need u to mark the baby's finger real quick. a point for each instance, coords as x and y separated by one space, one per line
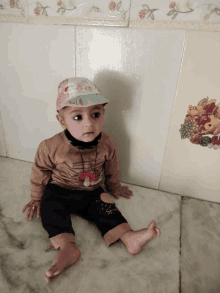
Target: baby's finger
25 207
31 213
126 195
128 192
38 212
28 212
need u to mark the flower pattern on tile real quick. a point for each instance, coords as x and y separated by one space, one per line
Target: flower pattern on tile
63 8
211 11
94 8
143 12
40 9
13 4
202 120
175 10
112 7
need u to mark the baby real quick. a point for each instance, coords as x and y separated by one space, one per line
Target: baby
76 172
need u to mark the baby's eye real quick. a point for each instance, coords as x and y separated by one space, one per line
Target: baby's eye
81 116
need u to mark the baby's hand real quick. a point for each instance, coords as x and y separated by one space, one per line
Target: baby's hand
32 207
123 191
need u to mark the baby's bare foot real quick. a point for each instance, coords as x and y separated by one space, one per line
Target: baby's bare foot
136 240
65 258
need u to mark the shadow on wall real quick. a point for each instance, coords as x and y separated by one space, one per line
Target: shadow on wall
121 92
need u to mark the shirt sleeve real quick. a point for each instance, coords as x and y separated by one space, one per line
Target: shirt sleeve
112 171
41 171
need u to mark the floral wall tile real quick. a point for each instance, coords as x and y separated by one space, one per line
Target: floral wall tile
191 161
13 6
79 12
13 10
182 14
154 14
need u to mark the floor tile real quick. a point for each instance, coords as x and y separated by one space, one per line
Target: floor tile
200 242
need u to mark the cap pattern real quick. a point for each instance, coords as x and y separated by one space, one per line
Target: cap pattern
78 91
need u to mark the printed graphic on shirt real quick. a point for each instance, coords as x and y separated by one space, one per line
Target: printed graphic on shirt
71 172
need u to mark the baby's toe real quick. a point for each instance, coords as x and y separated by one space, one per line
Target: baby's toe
159 232
48 279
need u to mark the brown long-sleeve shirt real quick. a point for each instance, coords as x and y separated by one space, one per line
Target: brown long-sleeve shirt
59 162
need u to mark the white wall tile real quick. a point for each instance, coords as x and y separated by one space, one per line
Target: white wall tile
191 169
34 59
137 70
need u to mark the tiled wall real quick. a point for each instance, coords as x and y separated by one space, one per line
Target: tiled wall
157 82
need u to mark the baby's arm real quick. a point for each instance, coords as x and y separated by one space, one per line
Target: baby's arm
113 175
41 171
40 175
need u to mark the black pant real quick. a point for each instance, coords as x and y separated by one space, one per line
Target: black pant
58 203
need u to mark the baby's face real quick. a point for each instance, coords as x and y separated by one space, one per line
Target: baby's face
81 120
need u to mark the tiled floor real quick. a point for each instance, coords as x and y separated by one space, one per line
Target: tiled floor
186 257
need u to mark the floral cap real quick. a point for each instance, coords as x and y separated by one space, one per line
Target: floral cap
78 92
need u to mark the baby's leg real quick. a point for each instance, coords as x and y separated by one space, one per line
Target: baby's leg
55 217
106 216
68 255
114 226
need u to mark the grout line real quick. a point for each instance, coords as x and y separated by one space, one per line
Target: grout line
129 15
75 28
182 198
178 80
180 275
4 136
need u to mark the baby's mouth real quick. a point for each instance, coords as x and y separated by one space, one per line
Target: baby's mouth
89 132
